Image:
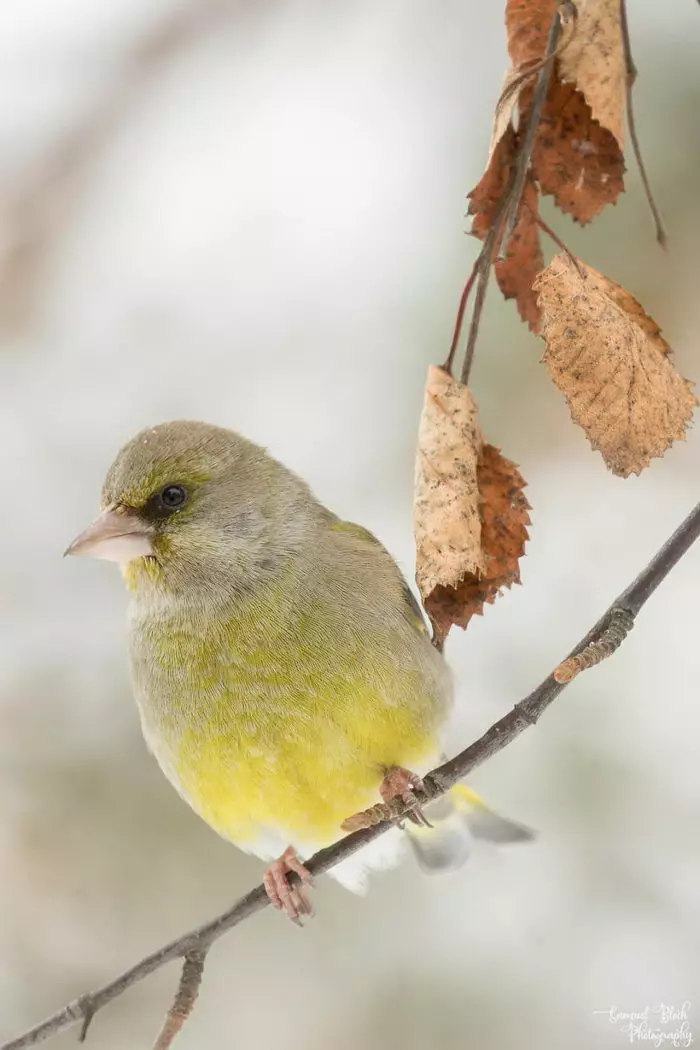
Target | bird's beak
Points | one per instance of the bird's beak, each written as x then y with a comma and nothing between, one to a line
116,535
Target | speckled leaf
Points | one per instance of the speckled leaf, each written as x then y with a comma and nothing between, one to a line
446,519
594,60
504,515
612,365
574,159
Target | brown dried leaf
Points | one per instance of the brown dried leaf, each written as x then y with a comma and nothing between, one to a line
486,195
504,513
446,521
574,159
524,260
630,305
527,24
594,60
612,365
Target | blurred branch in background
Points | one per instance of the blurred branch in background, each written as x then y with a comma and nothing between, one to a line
41,207
194,945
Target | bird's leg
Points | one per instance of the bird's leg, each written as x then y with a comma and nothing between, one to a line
285,896
400,783
398,790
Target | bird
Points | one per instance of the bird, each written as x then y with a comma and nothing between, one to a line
283,671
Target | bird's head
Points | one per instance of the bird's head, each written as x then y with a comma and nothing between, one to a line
188,504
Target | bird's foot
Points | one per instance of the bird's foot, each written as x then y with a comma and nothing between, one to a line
399,790
289,897
402,784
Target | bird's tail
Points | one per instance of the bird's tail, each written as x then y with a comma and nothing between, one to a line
457,818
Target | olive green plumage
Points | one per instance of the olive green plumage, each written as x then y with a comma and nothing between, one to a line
279,661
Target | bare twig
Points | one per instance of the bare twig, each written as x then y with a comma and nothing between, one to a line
621,623
525,152
394,809
630,80
482,269
517,77
529,70
185,998
528,711
466,292
524,714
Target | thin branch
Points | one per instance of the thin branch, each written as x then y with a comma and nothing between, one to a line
524,714
621,623
533,123
528,711
529,69
480,273
510,200
466,292
482,268
185,998
629,83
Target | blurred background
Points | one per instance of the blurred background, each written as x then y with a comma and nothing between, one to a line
251,212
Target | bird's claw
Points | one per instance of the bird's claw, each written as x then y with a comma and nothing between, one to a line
399,790
290,897
402,784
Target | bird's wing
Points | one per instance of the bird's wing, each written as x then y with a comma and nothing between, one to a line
413,609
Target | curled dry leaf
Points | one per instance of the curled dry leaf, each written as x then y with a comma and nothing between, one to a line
574,159
607,357
524,260
577,154
504,514
470,513
594,60
446,521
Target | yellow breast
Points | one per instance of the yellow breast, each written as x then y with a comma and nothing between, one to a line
265,720
301,783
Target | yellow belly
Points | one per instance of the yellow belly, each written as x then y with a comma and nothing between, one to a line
286,718
302,786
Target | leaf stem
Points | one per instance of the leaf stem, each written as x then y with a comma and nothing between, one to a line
630,79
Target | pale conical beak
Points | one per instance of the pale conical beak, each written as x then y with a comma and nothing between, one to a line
116,535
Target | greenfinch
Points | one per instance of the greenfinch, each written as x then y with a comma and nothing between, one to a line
282,668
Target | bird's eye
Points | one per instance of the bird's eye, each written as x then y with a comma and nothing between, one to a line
173,496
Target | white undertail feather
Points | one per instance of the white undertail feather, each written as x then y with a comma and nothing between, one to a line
457,819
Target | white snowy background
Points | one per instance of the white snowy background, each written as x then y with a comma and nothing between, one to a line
252,213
